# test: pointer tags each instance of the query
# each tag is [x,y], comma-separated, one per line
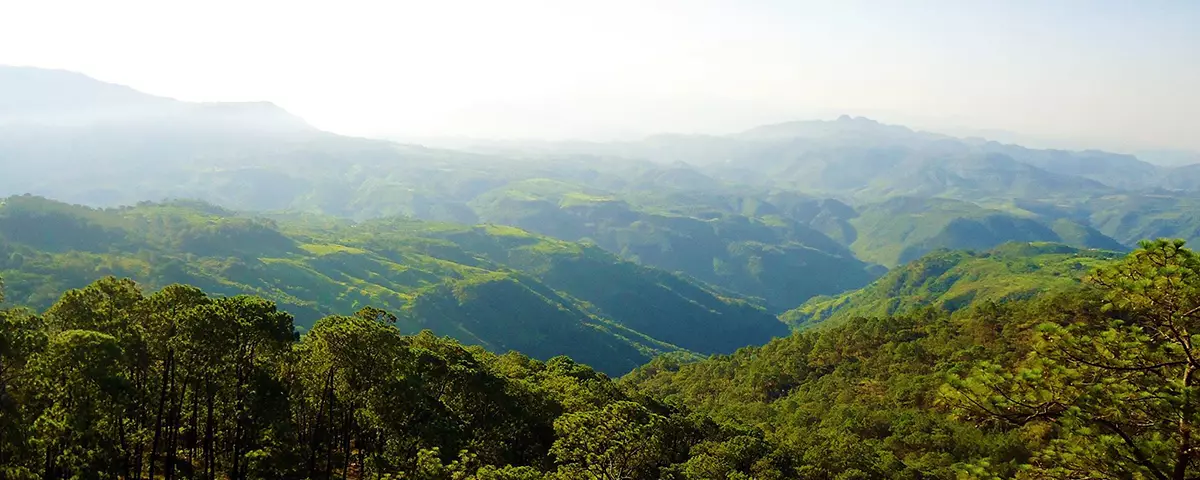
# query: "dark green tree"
[22,338]
[81,394]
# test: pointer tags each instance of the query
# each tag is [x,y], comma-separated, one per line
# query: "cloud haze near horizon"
[1117,74]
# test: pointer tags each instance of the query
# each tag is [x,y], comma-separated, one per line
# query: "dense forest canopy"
[112,383]
[1094,381]
[1090,382]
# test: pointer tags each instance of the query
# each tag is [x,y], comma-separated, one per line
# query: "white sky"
[1123,73]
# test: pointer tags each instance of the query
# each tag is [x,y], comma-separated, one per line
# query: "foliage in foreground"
[1092,382]
[111,383]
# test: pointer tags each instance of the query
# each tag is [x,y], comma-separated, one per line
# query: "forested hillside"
[1086,382]
[762,254]
[499,287]
[954,279]
[1089,381]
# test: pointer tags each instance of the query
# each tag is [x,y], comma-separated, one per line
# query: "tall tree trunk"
[194,432]
[167,379]
[123,441]
[346,441]
[173,437]
[48,472]
[139,453]
[329,444]
[210,459]
[239,422]
[314,441]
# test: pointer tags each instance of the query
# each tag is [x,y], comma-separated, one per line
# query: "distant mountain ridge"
[58,98]
[37,93]
[862,157]
[849,156]
[776,213]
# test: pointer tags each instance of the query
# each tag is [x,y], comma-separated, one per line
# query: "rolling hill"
[500,287]
[772,257]
[953,279]
[902,229]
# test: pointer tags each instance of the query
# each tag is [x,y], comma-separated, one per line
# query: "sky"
[1112,73]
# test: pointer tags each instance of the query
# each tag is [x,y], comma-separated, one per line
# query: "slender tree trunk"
[173,438]
[48,472]
[314,441]
[123,440]
[329,447]
[193,433]
[346,442]
[140,450]
[330,441]
[167,379]
[210,459]
[239,422]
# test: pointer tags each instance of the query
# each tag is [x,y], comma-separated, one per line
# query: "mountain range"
[223,290]
[732,229]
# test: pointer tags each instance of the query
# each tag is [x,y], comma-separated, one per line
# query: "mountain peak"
[41,95]
[847,119]
[48,97]
[814,129]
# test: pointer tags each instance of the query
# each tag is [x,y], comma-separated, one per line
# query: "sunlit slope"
[953,279]
[496,286]
[903,229]
[761,253]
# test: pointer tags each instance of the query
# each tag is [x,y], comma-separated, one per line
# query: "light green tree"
[1114,397]
[617,442]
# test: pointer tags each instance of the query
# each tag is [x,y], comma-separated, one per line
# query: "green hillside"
[112,381]
[1075,382]
[901,229]
[955,279]
[741,244]
[495,286]
[1151,215]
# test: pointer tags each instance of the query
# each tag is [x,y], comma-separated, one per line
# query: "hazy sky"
[1124,72]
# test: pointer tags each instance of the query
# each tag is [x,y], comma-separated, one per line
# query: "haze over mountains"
[258,157]
[832,299]
[771,216]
